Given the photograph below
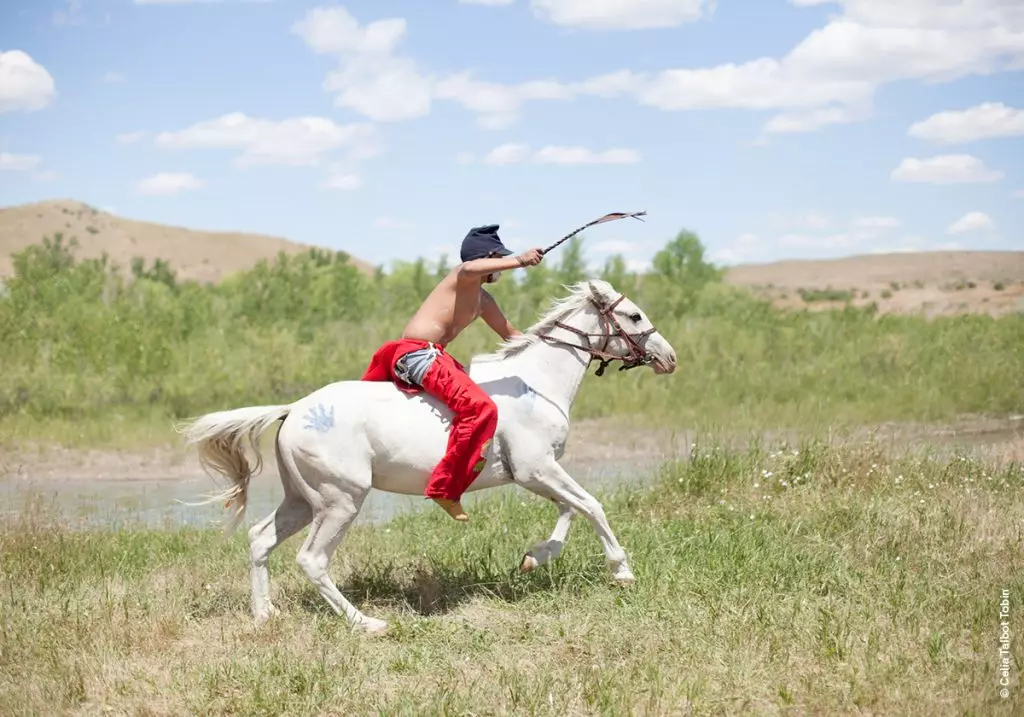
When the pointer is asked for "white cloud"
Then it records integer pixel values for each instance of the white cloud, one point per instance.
(18, 162)
(498, 105)
(131, 137)
(619, 14)
(342, 180)
(516, 153)
(987, 120)
(971, 222)
(833, 73)
(760, 84)
(334, 31)
(877, 222)
(377, 83)
(24, 83)
(508, 154)
(945, 169)
(793, 122)
(381, 87)
(168, 183)
(827, 79)
(582, 155)
(294, 141)
(369, 78)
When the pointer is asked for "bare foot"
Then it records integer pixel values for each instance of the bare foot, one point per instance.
(452, 507)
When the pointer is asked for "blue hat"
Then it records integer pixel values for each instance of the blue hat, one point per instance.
(482, 242)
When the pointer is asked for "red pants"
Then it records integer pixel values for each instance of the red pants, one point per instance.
(475, 415)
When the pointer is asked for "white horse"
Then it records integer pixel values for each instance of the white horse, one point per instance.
(350, 436)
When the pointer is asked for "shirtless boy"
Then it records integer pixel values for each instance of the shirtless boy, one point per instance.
(418, 361)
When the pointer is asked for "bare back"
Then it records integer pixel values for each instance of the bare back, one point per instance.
(451, 307)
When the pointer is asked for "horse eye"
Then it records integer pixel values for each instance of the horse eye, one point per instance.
(635, 317)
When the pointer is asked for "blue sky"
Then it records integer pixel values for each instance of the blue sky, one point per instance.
(772, 128)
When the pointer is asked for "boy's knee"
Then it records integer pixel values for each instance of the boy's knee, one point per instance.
(486, 409)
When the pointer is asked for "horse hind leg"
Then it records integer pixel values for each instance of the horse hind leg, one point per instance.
(339, 494)
(329, 527)
(291, 516)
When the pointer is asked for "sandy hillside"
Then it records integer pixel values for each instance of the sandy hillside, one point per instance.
(934, 283)
(941, 282)
(194, 254)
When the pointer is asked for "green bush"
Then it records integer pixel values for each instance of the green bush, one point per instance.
(81, 340)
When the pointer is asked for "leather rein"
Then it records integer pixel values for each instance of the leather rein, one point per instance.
(638, 355)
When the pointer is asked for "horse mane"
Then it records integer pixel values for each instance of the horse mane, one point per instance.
(580, 294)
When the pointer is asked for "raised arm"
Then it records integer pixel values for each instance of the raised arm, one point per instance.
(482, 267)
(490, 313)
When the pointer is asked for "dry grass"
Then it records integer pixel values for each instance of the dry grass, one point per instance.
(795, 580)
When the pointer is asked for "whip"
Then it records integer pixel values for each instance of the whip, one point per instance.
(606, 218)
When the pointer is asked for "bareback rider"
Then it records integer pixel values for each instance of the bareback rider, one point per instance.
(419, 362)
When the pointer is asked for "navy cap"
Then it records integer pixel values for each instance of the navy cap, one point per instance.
(481, 242)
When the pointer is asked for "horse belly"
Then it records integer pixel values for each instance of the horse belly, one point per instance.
(410, 439)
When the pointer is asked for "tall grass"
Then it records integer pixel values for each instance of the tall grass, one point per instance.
(82, 346)
(798, 579)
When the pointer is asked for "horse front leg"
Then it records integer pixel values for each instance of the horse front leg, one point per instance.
(552, 481)
(549, 549)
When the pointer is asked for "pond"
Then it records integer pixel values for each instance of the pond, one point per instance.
(161, 502)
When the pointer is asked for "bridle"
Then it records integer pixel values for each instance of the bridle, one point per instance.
(637, 356)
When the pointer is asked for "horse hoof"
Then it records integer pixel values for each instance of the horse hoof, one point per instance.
(372, 626)
(529, 564)
(264, 617)
(625, 581)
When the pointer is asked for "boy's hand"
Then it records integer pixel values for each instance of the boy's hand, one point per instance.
(530, 257)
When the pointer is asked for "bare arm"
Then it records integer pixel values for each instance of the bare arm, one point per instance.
(490, 313)
(482, 267)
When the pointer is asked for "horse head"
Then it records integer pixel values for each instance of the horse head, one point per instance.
(621, 331)
(608, 326)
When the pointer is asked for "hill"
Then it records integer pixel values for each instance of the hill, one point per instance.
(205, 256)
(942, 282)
(935, 282)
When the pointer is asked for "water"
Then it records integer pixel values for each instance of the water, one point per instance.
(160, 502)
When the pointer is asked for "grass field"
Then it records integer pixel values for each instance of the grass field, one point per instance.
(851, 577)
(807, 579)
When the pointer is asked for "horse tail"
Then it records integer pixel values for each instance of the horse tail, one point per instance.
(220, 442)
